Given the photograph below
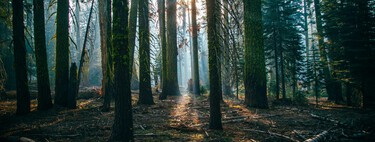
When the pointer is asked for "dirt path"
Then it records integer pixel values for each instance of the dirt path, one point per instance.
(186, 118)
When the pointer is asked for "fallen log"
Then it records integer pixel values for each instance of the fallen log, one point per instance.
(336, 122)
(272, 133)
(318, 137)
(234, 120)
(50, 135)
(357, 135)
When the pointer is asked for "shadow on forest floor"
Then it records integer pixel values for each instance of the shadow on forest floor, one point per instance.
(186, 117)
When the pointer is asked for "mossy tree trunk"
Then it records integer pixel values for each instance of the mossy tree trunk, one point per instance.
(171, 88)
(145, 93)
(62, 53)
(44, 90)
(122, 129)
(23, 94)
(255, 68)
(214, 65)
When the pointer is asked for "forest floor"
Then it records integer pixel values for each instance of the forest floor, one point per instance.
(185, 118)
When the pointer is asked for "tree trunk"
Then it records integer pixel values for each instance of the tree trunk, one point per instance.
(72, 103)
(161, 11)
(214, 65)
(323, 53)
(226, 66)
(255, 68)
(276, 58)
(196, 88)
(23, 94)
(122, 129)
(44, 90)
(171, 88)
(62, 53)
(133, 31)
(105, 26)
(145, 93)
(103, 46)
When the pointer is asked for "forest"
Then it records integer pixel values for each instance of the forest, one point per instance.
(187, 70)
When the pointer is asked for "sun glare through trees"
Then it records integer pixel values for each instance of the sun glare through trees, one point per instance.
(187, 70)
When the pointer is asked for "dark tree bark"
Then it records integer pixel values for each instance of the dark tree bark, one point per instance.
(102, 4)
(196, 88)
(122, 129)
(161, 11)
(171, 88)
(23, 94)
(214, 65)
(133, 29)
(255, 68)
(226, 79)
(323, 53)
(44, 90)
(62, 53)
(105, 38)
(73, 80)
(145, 93)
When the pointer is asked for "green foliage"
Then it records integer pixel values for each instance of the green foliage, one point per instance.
(203, 89)
(300, 99)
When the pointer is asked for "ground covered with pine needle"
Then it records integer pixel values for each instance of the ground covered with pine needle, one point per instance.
(186, 118)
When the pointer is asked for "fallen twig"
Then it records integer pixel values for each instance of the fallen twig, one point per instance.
(318, 137)
(149, 135)
(299, 135)
(327, 119)
(358, 135)
(234, 120)
(271, 133)
(50, 135)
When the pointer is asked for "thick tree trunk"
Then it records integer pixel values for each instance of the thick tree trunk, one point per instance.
(323, 53)
(171, 88)
(122, 129)
(62, 53)
(103, 47)
(161, 11)
(196, 88)
(44, 90)
(23, 94)
(108, 84)
(145, 93)
(255, 68)
(214, 65)
(72, 103)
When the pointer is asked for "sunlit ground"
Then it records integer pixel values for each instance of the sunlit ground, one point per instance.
(183, 118)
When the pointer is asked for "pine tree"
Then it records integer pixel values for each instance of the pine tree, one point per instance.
(255, 68)
(44, 90)
(62, 53)
(163, 41)
(214, 65)
(171, 88)
(105, 38)
(195, 68)
(23, 94)
(122, 129)
(145, 93)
